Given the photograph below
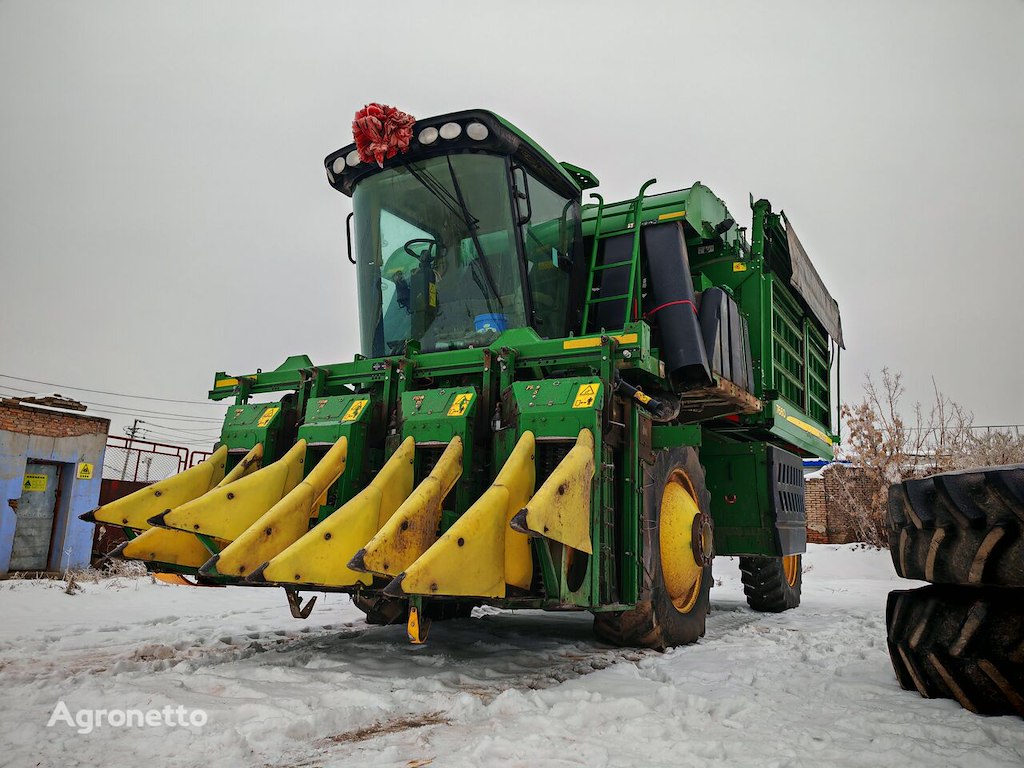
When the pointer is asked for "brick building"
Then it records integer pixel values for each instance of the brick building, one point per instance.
(51, 465)
(828, 495)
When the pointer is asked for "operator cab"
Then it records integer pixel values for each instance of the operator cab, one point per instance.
(472, 231)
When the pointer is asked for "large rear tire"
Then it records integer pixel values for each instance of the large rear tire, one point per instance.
(772, 584)
(960, 527)
(677, 540)
(963, 643)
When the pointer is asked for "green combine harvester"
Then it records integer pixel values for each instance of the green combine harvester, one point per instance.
(557, 406)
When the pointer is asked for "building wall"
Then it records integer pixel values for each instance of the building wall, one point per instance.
(829, 496)
(68, 439)
(817, 515)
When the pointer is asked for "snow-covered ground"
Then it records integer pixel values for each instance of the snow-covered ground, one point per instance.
(809, 687)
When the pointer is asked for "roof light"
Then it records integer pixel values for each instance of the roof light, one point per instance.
(450, 131)
(428, 135)
(352, 158)
(477, 131)
(338, 165)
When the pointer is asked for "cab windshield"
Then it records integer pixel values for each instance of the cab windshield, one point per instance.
(437, 256)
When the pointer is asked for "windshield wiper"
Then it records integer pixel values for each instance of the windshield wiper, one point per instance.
(435, 188)
(471, 225)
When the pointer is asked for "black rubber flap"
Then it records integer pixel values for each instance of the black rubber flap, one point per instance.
(672, 308)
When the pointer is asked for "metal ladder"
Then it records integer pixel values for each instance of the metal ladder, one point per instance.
(633, 215)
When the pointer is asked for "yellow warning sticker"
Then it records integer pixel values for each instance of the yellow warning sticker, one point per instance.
(739, 266)
(586, 395)
(267, 416)
(34, 483)
(461, 404)
(85, 471)
(355, 410)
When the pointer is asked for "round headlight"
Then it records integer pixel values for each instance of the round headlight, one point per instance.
(428, 135)
(352, 158)
(477, 131)
(338, 165)
(450, 131)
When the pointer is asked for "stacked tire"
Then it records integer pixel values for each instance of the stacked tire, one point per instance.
(962, 637)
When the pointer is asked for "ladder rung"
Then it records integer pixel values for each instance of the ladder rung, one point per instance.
(604, 235)
(626, 263)
(603, 299)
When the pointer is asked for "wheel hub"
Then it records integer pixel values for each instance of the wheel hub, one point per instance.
(683, 532)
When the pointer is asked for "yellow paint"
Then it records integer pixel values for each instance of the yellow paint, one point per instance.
(586, 342)
(681, 572)
(675, 215)
(355, 410)
(267, 416)
(226, 511)
(415, 628)
(85, 471)
(586, 395)
(461, 404)
(560, 510)
(739, 266)
(413, 527)
(34, 483)
(135, 509)
(249, 464)
(791, 568)
(809, 428)
(225, 383)
(321, 555)
(781, 413)
(480, 554)
(642, 398)
(160, 545)
(285, 522)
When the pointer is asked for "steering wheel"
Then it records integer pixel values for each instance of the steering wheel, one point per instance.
(427, 255)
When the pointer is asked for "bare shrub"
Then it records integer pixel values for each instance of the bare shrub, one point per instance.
(993, 448)
(885, 448)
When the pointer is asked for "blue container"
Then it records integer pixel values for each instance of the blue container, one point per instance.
(491, 322)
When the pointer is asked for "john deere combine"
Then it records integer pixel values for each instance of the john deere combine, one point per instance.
(557, 405)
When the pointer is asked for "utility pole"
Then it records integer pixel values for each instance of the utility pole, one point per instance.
(131, 432)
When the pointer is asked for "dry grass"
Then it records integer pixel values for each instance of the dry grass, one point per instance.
(387, 726)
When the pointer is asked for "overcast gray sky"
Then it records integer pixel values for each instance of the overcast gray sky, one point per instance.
(164, 212)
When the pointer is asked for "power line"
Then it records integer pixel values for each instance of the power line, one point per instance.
(105, 392)
(200, 432)
(125, 410)
(177, 439)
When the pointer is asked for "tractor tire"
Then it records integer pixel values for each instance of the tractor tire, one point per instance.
(962, 643)
(960, 527)
(772, 584)
(676, 567)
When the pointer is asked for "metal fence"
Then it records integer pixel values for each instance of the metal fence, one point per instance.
(142, 461)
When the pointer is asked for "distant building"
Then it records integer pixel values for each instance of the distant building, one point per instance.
(51, 465)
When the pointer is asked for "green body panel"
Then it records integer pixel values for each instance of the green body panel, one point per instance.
(327, 420)
(555, 411)
(246, 425)
(433, 418)
(739, 479)
(671, 436)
